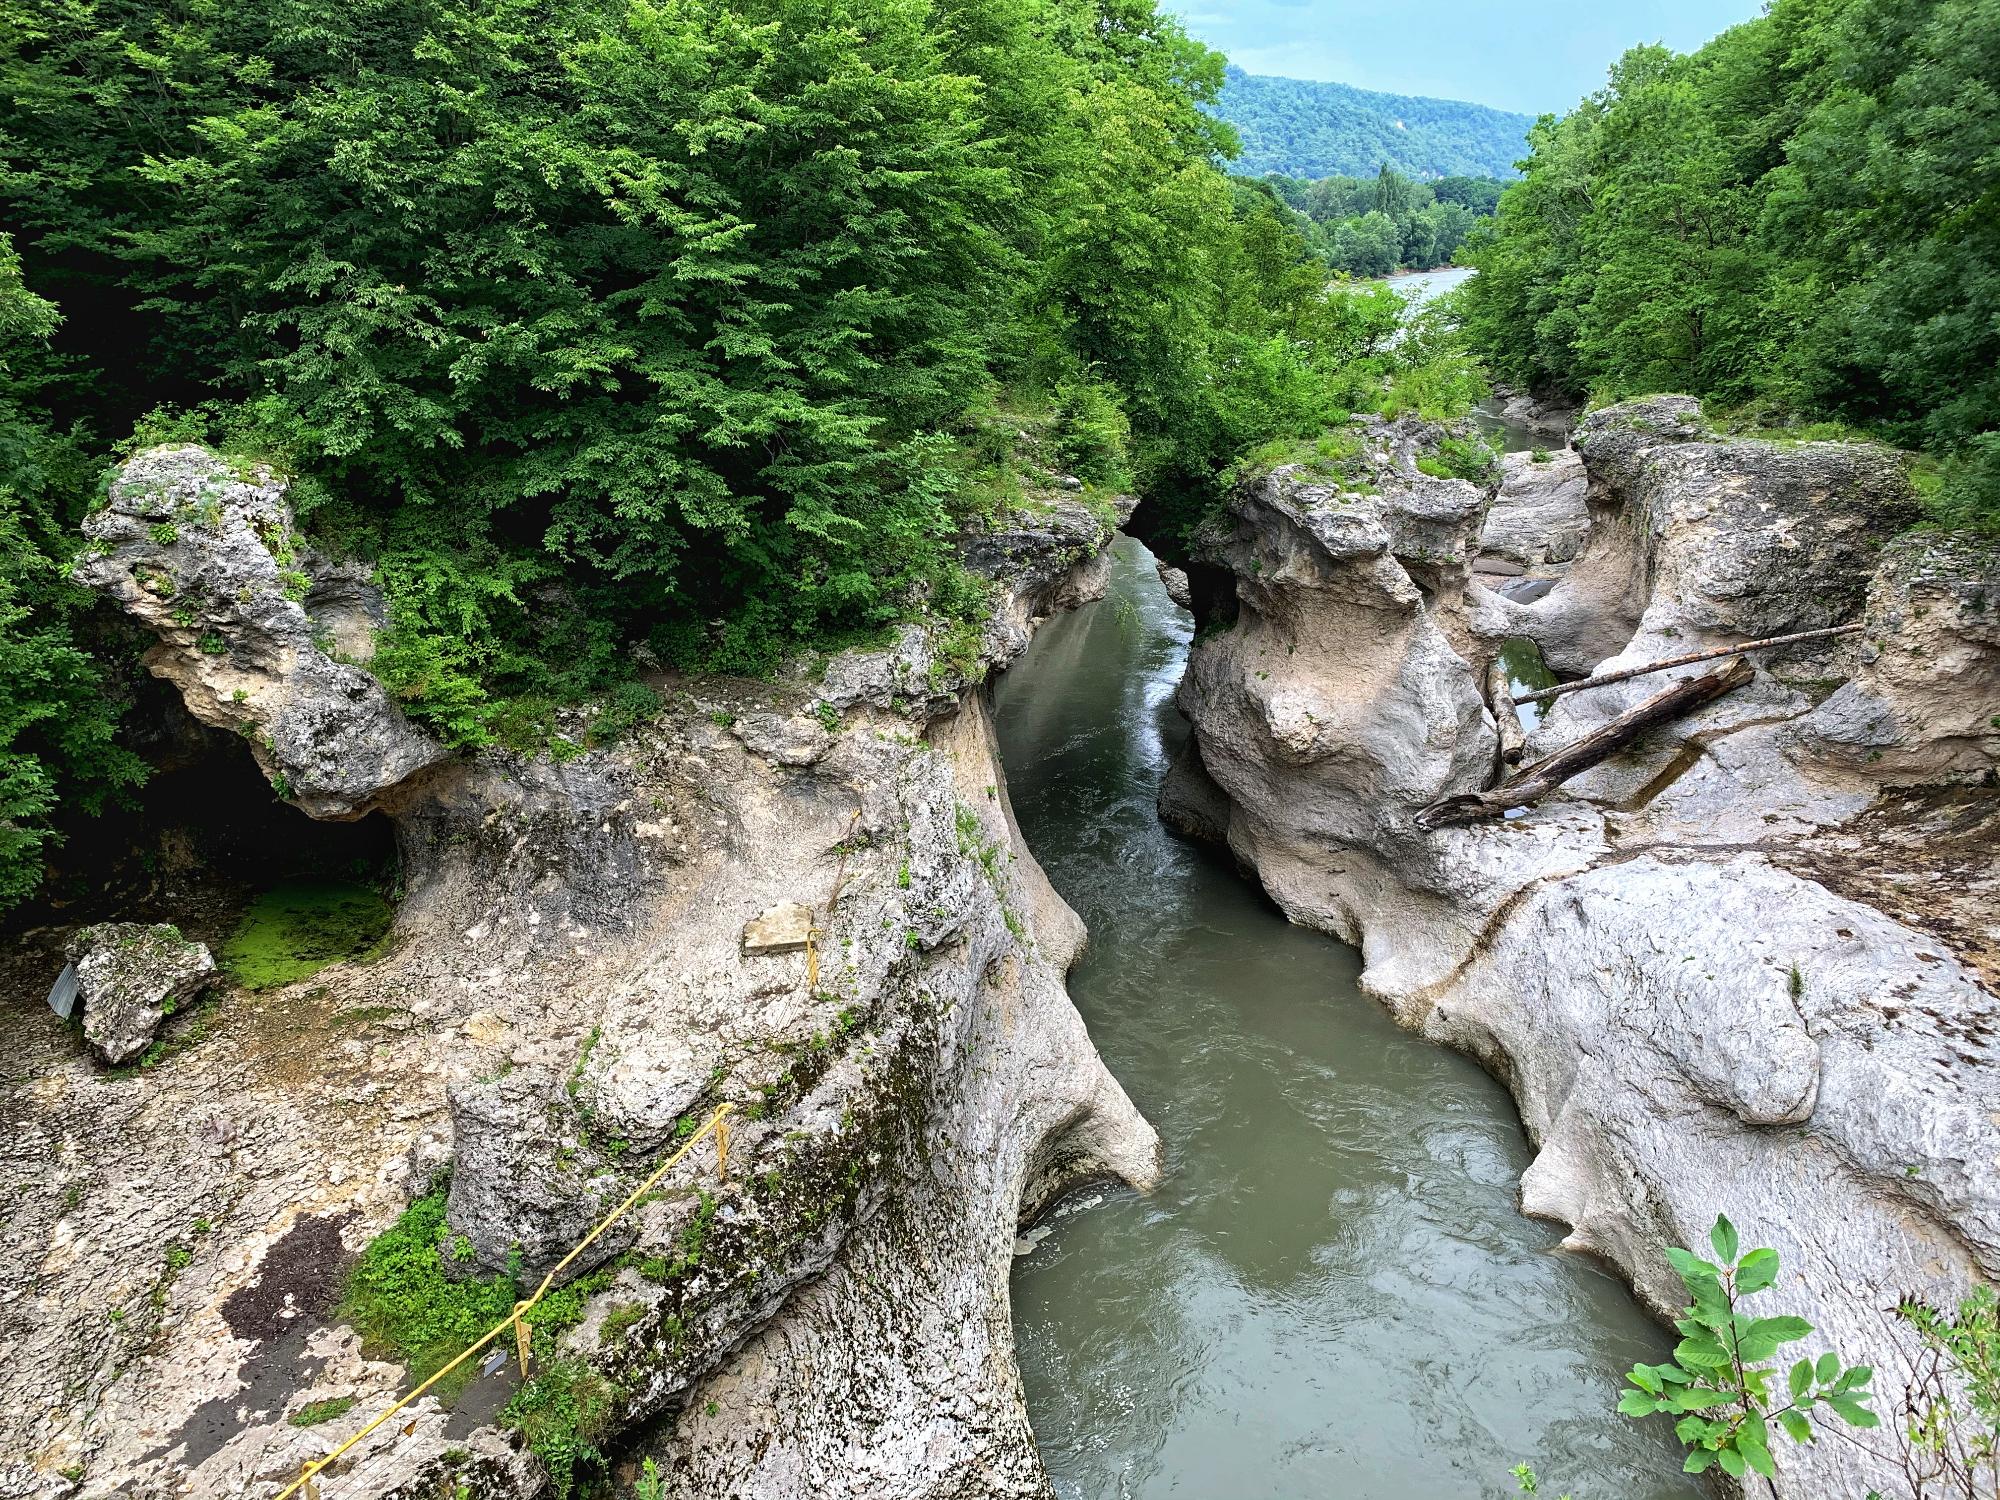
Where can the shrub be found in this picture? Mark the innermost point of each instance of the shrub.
(1723, 1395)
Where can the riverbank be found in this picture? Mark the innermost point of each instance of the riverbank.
(1698, 967)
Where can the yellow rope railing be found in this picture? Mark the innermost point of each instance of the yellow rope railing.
(717, 1125)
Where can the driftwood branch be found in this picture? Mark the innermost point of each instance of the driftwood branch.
(1716, 654)
(1500, 698)
(1607, 740)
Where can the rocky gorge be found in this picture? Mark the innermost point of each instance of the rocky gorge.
(807, 900)
(1746, 966)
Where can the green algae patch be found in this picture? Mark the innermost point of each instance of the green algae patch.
(294, 930)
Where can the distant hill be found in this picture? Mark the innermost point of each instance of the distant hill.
(1304, 129)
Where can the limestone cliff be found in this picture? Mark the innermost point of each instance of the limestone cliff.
(1745, 967)
(567, 990)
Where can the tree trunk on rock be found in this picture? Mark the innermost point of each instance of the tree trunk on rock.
(1600, 744)
(1714, 654)
(1506, 718)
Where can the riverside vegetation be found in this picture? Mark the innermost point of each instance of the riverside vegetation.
(1800, 220)
(611, 336)
(1728, 1402)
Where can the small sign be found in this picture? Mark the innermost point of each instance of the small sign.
(62, 999)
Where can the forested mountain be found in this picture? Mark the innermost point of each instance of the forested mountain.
(1298, 128)
(1802, 218)
(614, 336)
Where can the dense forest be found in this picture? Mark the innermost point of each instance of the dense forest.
(1370, 226)
(614, 335)
(1801, 220)
(1298, 128)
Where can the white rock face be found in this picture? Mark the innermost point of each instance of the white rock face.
(1539, 516)
(567, 994)
(1699, 1001)
(202, 553)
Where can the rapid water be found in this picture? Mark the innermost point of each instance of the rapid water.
(1332, 1294)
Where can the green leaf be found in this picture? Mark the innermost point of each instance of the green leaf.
(1758, 1457)
(1850, 1379)
(1644, 1377)
(1852, 1411)
(1700, 1352)
(1795, 1424)
(1732, 1462)
(1723, 1238)
(1691, 1267)
(1764, 1336)
(1829, 1366)
(1800, 1379)
(1696, 1398)
(1637, 1404)
(1699, 1462)
(1758, 1271)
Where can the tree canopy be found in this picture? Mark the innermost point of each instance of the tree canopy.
(611, 331)
(1802, 219)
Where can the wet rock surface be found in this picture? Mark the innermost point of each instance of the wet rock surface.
(1746, 966)
(566, 994)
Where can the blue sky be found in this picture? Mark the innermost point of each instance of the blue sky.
(1533, 57)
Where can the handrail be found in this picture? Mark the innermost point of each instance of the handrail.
(717, 1125)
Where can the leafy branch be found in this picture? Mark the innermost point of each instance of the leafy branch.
(1725, 1396)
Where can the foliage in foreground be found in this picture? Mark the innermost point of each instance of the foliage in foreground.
(1949, 1436)
(1726, 1398)
(405, 1301)
(1803, 217)
(1945, 1438)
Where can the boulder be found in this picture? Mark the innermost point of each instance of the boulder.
(1539, 515)
(528, 1180)
(130, 978)
(259, 636)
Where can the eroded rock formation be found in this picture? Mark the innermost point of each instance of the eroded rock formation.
(259, 638)
(569, 991)
(1686, 966)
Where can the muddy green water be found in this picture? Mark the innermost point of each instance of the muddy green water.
(1332, 1294)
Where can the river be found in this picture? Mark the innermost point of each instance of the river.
(1421, 286)
(1332, 1294)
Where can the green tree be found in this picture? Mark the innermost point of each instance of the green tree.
(1803, 216)
(58, 715)
(1368, 246)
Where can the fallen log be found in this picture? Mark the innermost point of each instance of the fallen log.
(1715, 654)
(1608, 739)
(1500, 698)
